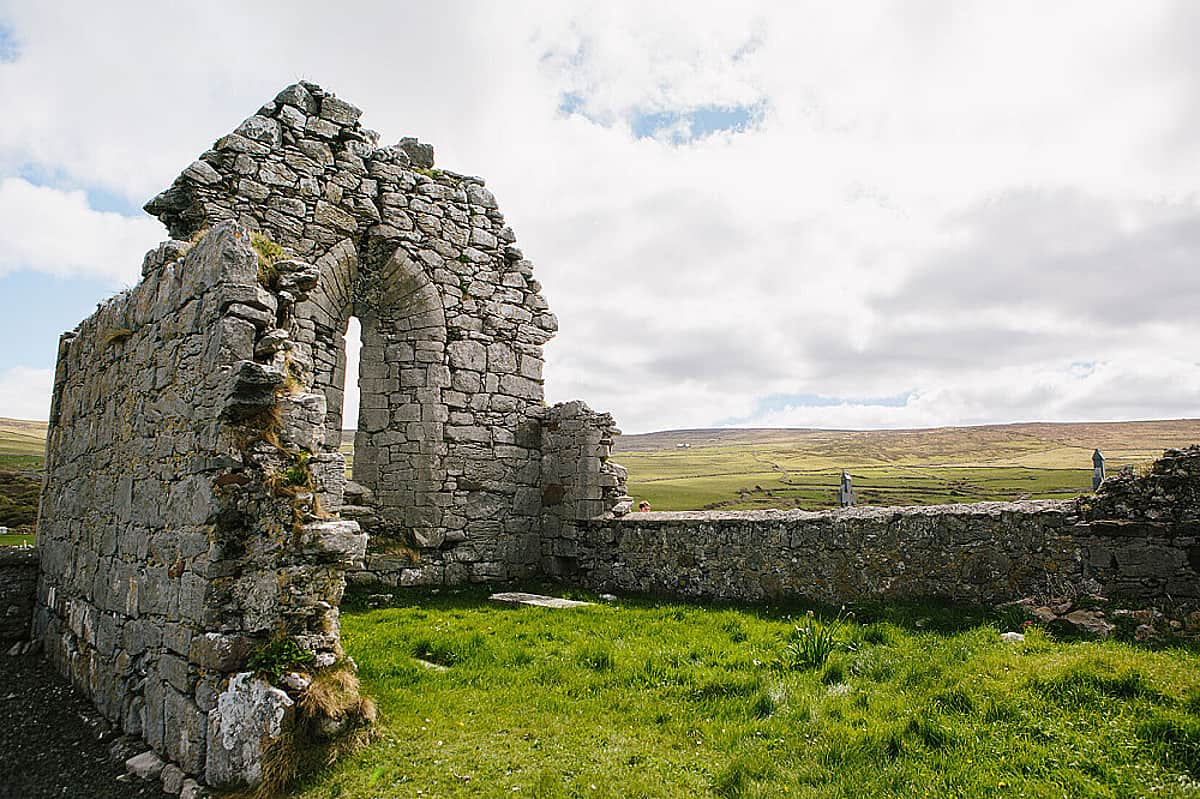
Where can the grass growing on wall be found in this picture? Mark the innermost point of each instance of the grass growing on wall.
(674, 700)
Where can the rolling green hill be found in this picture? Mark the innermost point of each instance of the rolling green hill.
(759, 469)
(22, 438)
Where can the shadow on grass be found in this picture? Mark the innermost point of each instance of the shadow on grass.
(919, 615)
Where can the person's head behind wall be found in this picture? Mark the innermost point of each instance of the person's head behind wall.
(643, 506)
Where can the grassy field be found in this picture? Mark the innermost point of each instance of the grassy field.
(647, 699)
(756, 469)
(20, 437)
(22, 445)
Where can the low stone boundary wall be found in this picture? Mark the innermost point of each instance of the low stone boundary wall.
(18, 588)
(984, 552)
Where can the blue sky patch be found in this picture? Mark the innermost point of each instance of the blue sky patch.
(99, 197)
(680, 127)
(36, 308)
(775, 403)
(677, 127)
(8, 44)
(571, 103)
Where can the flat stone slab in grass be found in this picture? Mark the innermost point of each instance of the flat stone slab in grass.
(516, 599)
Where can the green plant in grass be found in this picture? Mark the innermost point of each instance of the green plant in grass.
(294, 476)
(812, 642)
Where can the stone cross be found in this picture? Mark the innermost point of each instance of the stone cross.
(846, 491)
(1097, 469)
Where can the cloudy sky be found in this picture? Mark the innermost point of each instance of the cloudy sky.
(841, 215)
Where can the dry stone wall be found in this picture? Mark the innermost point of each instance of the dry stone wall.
(1139, 537)
(18, 580)
(580, 482)
(181, 525)
(196, 512)
(448, 447)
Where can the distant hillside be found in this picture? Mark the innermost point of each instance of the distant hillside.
(1031, 443)
(22, 445)
(774, 468)
(20, 437)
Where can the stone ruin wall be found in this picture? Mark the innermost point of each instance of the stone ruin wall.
(449, 444)
(18, 584)
(196, 506)
(181, 524)
(1138, 538)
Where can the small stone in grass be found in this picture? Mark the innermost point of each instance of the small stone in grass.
(1012, 638)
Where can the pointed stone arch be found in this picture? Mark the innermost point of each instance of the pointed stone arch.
(400, 447)
(324, 316)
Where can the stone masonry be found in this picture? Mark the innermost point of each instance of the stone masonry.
(18, 579)
(1139, 538)
(181, 524)
(196, 510)
(449, 444)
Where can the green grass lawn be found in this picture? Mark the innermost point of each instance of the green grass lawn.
(646, 699)
(16, 540)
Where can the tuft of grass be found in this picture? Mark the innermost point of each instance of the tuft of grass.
(279, 655)
(597, 656)
(1175, 738)
(297, 475)
(115, 335)
(334, 697)
(268, 252)
(1093, 683)
(333, 720)
(812, 642)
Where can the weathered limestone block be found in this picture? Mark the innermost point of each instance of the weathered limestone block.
(250, 715)
(337, 541)
(209, 504)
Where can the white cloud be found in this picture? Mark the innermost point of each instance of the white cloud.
(1153, 388)
(834, 248)
(25, 392)
(48, 230)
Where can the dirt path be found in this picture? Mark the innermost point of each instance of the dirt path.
(53, 744)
